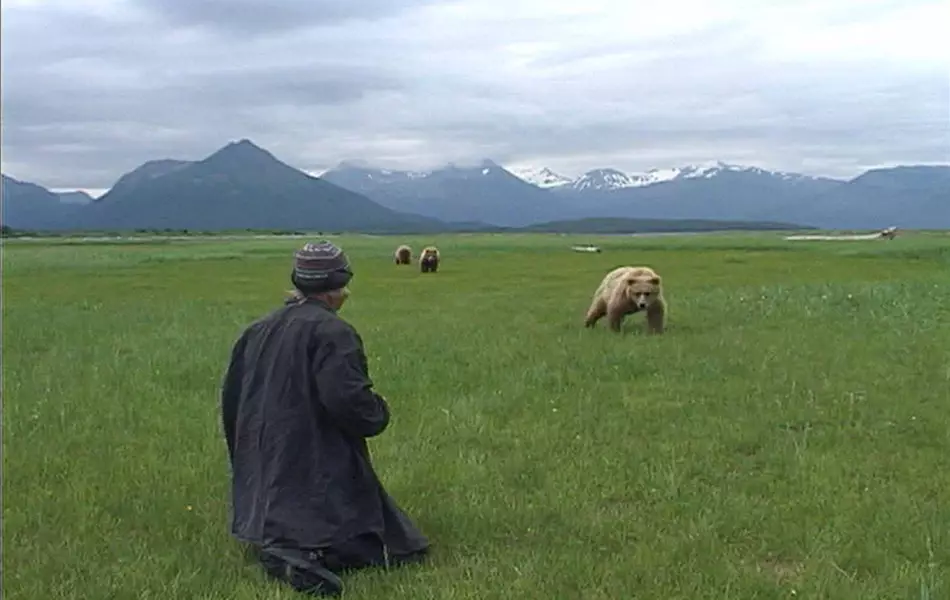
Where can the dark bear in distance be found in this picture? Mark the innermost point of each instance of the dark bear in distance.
(429, 259)
(403, 255)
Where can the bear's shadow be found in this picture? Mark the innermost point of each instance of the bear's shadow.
(632, 327)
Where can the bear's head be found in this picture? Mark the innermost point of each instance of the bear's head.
(642, 289)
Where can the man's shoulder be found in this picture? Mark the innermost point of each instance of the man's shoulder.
(266, 320)
(314, 315)
(316, 319)
(277, 317)
(330, 328)
(336, 327)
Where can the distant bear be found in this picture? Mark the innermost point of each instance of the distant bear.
(429, 259)
(625, 291)
(403, 255)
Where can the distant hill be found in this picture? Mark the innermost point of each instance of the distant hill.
(594, 225)
(908, 197)
(484, 193)
(606, 225)
(148, 172)
(76, 197)
(30, 206)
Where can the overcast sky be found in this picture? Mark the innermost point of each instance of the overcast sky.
(93, 88)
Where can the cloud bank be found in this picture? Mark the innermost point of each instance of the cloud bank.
(93, 88)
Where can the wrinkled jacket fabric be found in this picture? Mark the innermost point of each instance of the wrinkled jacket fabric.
(297, 404)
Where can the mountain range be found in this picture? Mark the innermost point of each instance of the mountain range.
(906, 197)
(243, 186)
(240, 186)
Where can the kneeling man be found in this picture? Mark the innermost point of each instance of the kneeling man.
(297, 406)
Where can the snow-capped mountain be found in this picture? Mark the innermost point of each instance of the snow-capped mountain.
(614, 179)
(544, 178)
(511, 196)
(484, 191)
(362, 174)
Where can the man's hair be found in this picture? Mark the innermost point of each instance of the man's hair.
(302, 292)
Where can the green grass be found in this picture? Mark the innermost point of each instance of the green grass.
(788, 435)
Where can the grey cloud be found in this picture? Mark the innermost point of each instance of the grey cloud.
(72, 128)
(88, 98)
(705, 44)
(80, 113)
(800, 113)
(243, 17)
(309, 85)
(34, 37)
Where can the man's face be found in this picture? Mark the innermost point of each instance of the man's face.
(337, 298)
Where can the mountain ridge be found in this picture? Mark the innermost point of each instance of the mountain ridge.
(482, 191)
(603, 177)
(712, 191)
(241, 185)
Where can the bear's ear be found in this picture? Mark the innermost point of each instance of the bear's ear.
(655, 280)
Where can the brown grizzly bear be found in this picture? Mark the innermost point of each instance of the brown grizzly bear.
(625, 291)
(403, 255)
(429, 259)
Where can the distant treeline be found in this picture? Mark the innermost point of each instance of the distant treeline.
(582, 226)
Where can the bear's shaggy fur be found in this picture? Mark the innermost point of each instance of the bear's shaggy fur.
(625, 291)
(403, 255)
(429, 259)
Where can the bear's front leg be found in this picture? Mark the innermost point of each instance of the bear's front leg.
(656, 316)
(598, 309)
(615, 319)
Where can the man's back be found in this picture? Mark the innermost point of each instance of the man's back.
(296, 406)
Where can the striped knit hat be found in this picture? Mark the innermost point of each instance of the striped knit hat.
(320, 267)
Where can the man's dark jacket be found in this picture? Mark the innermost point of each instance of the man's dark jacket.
(297, 403)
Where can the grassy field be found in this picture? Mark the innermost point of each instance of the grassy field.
(788, 437)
